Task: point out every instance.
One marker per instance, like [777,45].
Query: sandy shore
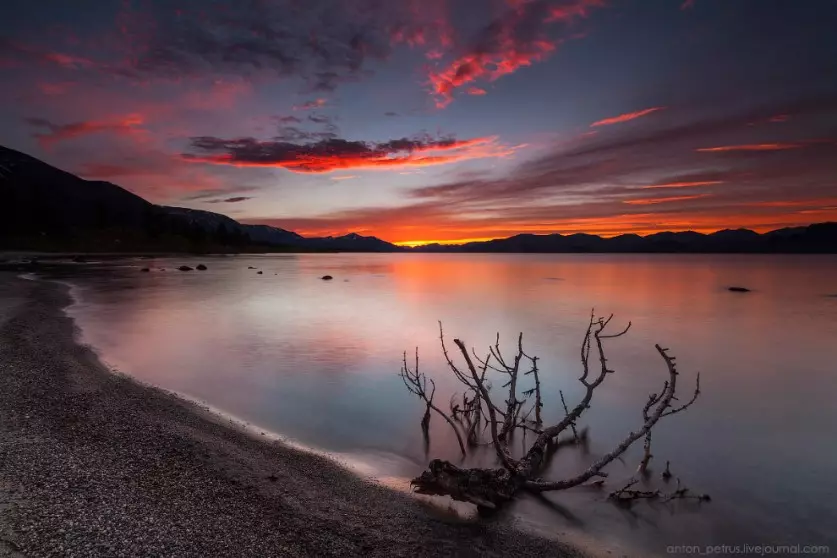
[93,464]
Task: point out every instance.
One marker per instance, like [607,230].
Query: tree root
[487,488]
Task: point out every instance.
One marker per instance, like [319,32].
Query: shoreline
[350,463]
[95,463]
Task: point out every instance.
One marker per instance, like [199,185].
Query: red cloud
[626,117]
[472,67]
[124,126]
[476,91]
[751,147]
[514,41]
[333,155]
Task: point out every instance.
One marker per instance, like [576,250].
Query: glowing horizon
[436,121]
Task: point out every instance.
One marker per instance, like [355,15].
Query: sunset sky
[437,120]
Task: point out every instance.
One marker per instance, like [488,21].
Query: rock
[739,289]
[260,273]
[327,278]
[79,259]
[250,267]
[184,268]
[145,270]
[201,267]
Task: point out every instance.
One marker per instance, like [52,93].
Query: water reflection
[318,361]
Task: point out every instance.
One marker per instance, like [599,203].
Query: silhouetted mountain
[206,220]
[265,234]
[44,208]
[37,197]
[353,242]
[817,238]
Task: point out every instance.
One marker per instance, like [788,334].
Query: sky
[437,120]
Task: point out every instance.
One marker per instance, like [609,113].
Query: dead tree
[653,399]
[492,487]
[416,383]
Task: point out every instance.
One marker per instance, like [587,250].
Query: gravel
[95,464]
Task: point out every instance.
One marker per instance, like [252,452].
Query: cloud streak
[56,133]
[237,199]
[693,184]
[749,147]
[669,199]
[627,117]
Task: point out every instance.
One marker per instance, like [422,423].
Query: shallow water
[318,361]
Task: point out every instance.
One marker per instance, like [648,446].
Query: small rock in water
[739,289]
[145,270]
[260,273]
[327,277]
[184,268]
[250,267]
[201,267]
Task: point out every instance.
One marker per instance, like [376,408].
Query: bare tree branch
[499,446]
[492,487]
[416,383]
[596,468]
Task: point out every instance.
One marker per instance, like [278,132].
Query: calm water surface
[318,361]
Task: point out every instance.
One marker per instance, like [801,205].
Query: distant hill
[47,209]
[44,208]
[817,238]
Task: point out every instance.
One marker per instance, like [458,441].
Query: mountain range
[45,208]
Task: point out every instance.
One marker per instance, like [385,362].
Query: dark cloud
[219,194]
[293,152]
[324,42]
[236,199]
[312,104]
[320,118]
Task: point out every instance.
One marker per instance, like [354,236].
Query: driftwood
[490,488]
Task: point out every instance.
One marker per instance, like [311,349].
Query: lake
[317,361]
